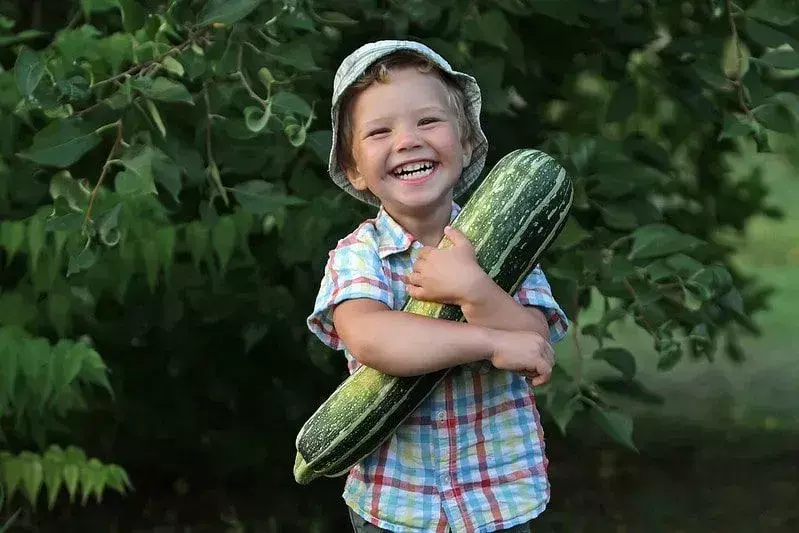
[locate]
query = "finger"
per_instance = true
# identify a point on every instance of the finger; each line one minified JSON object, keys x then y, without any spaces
{"x":415,"y":278}
{"x":457,"y":237}
{"x":415,"y":292}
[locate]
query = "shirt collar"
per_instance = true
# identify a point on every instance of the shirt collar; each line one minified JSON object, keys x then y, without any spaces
{"x":393,"y":238}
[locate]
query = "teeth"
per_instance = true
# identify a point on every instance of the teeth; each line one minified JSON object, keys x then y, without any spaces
{"x":413,"y":170}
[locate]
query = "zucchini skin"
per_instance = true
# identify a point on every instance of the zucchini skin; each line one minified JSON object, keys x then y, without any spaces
{"x":511,"y":219}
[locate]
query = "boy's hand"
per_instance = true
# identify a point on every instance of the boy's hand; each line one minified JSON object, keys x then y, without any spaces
{"x":525,"y":352}
{"x":448,"y":275}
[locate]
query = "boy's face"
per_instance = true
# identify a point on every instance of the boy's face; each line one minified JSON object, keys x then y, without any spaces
{"x":406,"y":143}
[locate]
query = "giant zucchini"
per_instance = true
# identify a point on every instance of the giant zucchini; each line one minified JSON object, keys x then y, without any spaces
{"x":511,"y":219}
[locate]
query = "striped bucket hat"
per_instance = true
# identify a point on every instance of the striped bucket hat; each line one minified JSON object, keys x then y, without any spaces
{"x":358,"y":62}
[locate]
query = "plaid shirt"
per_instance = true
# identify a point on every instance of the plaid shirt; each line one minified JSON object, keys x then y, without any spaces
{"x":471,"y":457}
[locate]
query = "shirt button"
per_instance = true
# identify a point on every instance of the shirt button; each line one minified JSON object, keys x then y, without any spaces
{"x":441,"y":416}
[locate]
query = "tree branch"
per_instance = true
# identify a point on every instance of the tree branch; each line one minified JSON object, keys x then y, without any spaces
{"x":106,"y":166}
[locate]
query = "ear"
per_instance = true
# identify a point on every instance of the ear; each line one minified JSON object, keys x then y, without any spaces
{"x":356,"y":178}
{"x":467,"y":153}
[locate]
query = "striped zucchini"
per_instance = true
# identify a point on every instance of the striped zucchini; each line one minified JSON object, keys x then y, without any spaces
{"x":511,"y":219}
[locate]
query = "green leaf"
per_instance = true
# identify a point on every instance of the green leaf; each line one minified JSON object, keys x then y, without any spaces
{"x":261,"y":197}
{"x":296,"y":55}
{"x":768,"y":36}
{"x":295,"y":134}
{"x":670,"y":354}
{"x":735,"y":126}
{"x":133,"y":15}
{"x":28,"y":70}
{"x":227,"y":11}
{"x":493,"y":28}
{"x":223,"y":239}
{"x":173,"y":65}
{"x":320,"y":143}
{"x":710,"y":282}
{"x":25,"y":35}
{"x":336,"y":18}
{"x":107,"y":226}
{"x":13,"y":469}
{"x":165,"y":245}
{"x":81,"y":261}
{"x":197,"y":237}
{"x":162,"y":89}
{"x":71,"y":474}
{"x":32,"y":477}
{"x":772,"y":11}
{"x":657,"y":240}
{"x":287,"y":102}
{"x":563,"y":407}
{"x":97,"y":6}
{"x":776,"y":117}
{"x":619,"y":358}
{"x":156,"y":116}
{"x":138,"y":176}
{"x":62,"y":142}
{"x":255,"y":118}
{"x":781,"y":59}
{"x":630,"y":388}
{"x":615,"y":423}
{"x":58,"y":311}
{"x":12,"y":237}
{"x":52,"y":480}
{"x":168,"y":174}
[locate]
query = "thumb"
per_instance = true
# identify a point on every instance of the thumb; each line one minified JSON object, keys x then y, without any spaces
{"x":457,"y":237}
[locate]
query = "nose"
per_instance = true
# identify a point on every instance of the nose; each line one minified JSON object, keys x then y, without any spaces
{"x":407,"y":138}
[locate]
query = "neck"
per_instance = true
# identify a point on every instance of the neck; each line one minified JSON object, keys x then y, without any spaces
{"x":427,"y":228}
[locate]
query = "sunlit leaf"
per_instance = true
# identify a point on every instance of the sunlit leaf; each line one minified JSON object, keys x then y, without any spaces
{"x":162,"y":89}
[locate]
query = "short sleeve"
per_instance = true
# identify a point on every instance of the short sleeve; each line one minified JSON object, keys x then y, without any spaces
{"x":536,"y":292}
{"x":352,"y":271}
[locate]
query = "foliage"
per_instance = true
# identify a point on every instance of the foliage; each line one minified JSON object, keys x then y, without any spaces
{"x":164,"y":199}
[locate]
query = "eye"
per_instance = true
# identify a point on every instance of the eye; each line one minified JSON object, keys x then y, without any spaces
{"x":429,"y":120}
{"x":376,"y":131}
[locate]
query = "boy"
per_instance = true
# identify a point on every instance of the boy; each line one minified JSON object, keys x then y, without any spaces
{"x":407,"y":139}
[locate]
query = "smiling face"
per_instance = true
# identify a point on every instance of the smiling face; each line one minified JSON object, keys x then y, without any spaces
{"x":407,"y":146}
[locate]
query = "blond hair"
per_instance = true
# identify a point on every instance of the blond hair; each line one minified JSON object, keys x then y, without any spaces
{"x":379,"y":72}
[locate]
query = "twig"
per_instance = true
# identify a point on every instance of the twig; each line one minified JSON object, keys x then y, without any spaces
{"x":240,"y":74}
{"x":647,"y":325}
{"x":136,"y":68}
{"x":106,"y":166}
{"x":738,"y":74}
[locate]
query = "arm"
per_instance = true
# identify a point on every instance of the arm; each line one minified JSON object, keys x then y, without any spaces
{"x":489,"y":306}
{"x":405,"y":344}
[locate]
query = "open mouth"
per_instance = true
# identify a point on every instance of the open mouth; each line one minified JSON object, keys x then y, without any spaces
{"x":415,"y":170}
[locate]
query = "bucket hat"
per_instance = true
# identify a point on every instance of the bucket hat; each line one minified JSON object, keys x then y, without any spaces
{"x":358,"y":62}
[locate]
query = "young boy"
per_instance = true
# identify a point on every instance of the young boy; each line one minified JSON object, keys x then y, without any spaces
{"x":407,"y":139}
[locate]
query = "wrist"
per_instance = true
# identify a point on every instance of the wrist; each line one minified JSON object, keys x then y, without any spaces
{"x":479,"y":292}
